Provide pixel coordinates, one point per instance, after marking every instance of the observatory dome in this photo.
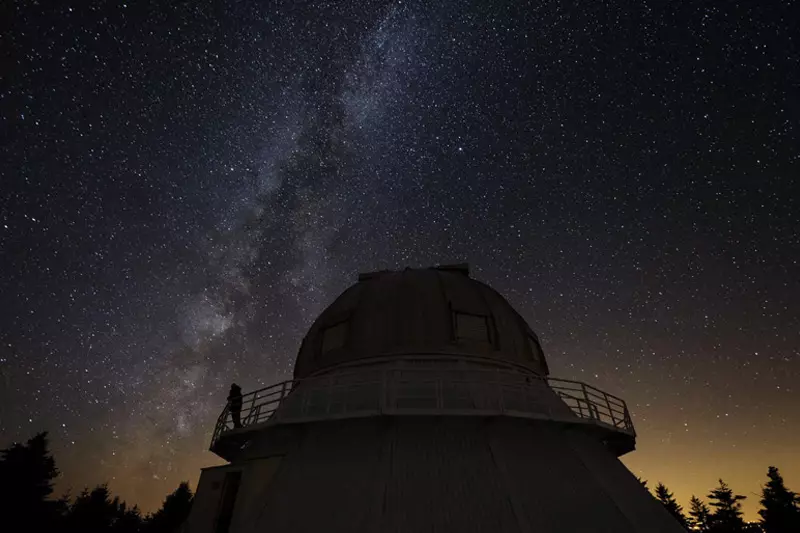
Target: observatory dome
(436, 311)
(428, 394)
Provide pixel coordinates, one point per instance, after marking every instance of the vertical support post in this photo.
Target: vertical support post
(586, 399)
(628, 422)
(610, 410)
(546, 383)
(249, 419)
(280, 400)
(304, 399)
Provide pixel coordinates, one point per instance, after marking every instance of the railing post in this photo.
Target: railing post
(586, 399)
(277, 412)
(628, 422)
(249, 419)
(610, 410)
(304, 399)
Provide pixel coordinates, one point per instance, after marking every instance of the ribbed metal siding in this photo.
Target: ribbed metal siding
(431, 474)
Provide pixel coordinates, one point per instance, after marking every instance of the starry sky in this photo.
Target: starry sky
(184, 188)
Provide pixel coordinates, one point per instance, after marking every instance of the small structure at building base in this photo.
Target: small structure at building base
(422, 402)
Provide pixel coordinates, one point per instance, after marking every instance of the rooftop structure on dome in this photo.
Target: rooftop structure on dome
(421, 401)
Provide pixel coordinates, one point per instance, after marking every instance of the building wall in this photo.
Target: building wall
(461, 474)
(255, 483)
(206, 499)
(564, 480)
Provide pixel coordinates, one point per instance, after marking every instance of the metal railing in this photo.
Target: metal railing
(407, 391)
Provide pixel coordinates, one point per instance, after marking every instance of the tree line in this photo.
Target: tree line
(27, 473)
(780, 508)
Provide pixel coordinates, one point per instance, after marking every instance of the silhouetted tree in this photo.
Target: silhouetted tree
(173, 512)
(92, 512)
(727, 515)
(128, 520)
(643, 482)
(780, 513)
(27, 472)
(666, 498)
(98, 512)
(699, 514)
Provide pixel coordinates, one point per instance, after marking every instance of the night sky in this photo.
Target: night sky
(184, 188)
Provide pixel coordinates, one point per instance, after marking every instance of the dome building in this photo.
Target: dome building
(422, 401)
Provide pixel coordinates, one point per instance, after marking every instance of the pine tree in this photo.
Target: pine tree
(174, 511)
(98, 512)
(92, 512)
(727, 515)
(780, 513)
(699, 513)
(666, 498)
(27, 472)
(128, 520)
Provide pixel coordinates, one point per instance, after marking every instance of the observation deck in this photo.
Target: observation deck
(406, 391)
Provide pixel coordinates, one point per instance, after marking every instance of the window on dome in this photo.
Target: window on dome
(334, 337)
(536, 350)
(472, 327)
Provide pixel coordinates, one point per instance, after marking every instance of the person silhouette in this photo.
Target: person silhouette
(235, 405)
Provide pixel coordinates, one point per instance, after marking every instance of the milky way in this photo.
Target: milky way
(185, 188)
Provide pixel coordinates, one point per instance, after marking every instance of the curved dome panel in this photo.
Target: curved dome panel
(438, 310)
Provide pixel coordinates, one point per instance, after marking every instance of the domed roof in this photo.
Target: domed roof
(436, 311)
